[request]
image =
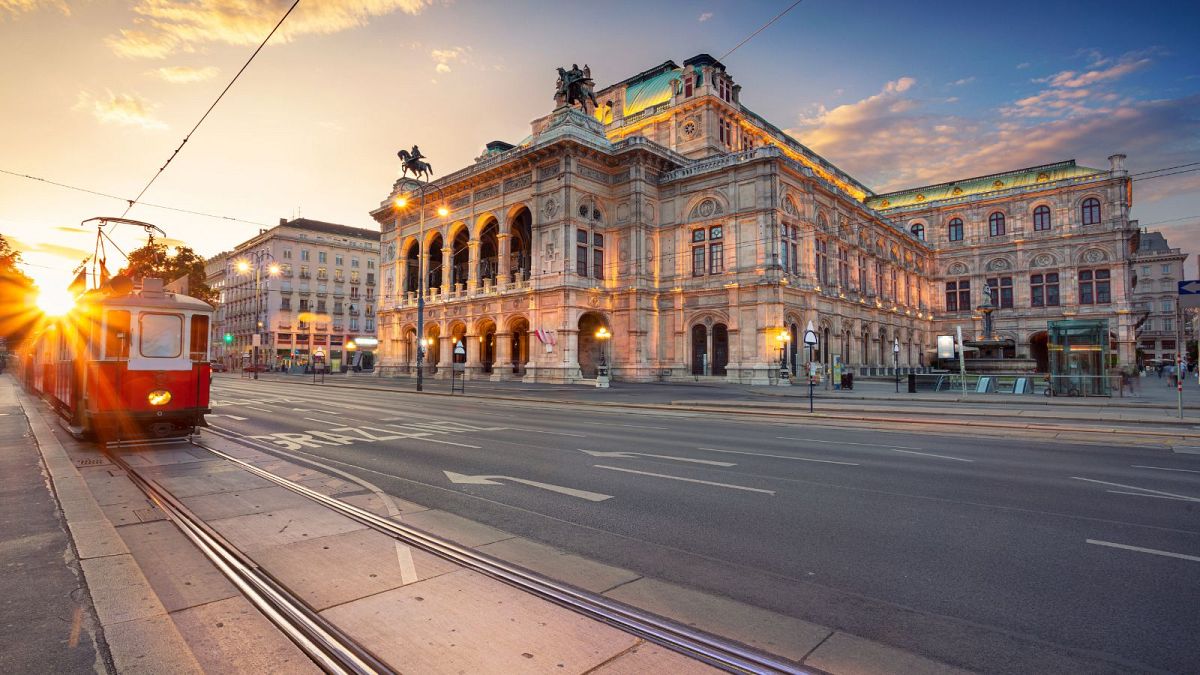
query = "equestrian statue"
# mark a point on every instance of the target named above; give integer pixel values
(412, 162)
(575, 86)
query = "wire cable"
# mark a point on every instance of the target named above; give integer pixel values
(158, 173)
(761, 29)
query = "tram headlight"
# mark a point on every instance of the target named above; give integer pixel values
(159, 397)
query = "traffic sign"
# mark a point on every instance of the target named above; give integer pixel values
(459, 350)
(810, 335)
(1189, 293)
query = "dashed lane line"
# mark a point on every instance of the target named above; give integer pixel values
(1145, 494)
(1139, 549)
(1134, 487)
(762, 454)
(686, 480)
(1161, 468)
(894, 448)
(549, 433)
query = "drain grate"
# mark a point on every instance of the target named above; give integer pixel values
(97, 461)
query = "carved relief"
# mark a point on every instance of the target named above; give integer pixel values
(789, 207)
(623, 212)
(998, 265)
(1095, 255)
(550, 208)
(518, 182)
(957, 268)
(1043, 260)
(706, 209)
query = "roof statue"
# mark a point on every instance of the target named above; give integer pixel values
(575, 86)
(413, 163)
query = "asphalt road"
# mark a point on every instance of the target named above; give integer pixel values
(1003, 555)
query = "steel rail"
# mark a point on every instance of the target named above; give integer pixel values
(715, 651)
(328, 647)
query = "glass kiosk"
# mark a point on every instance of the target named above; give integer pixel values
(1079, 357)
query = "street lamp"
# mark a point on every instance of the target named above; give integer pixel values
(257, 258)
(602, 336)
(896, 361)
(402, 202)
(783, 338)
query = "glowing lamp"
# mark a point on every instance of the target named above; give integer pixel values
(243, 266)
(443, 211)
(401, 202)
(159, 397)
(273, 269)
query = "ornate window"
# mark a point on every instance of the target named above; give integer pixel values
(789, 249)
(1001, 290)
(918, 231)
(716, 250)
(955, 230)
(958, 295)
(996, 224)
(879, 288)
(822, 261)
(843, 267)
(1043, 289)
(698, 260)
(1041, 218)
(581, 253)
(1095, 287)
(1091, 211)
(598, 255)
(862, 274)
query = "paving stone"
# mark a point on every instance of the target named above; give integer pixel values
(159, 456)
(559, 565)
(772, 632)
(373, 503)
(212, 483)
(845, 654)
(455, 528)
(331, 486)
(333, 570)
(177, 571)
(464, 622)
(152, 646)
(119, 590)
(125, 513)
(231, 636)
(651, 658)
(243, 502)
(259, 531)
(108, 489)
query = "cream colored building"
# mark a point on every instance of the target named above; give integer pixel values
(1158, 269)
(704, 240)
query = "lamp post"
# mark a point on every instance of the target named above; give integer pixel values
(602, 337)
(256, 259)
(896, 361)
(784, 337)
(810, 341)
(402, 202)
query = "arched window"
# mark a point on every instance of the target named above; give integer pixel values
(1091, 211)
(918, 231)
(996, 224)
(1041, 218)
(956, 230)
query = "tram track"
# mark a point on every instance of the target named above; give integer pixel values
(723, 654)
(328, 647)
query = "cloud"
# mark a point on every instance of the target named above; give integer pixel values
(164, 27)
(1072, 92)
(14, 7)
(892, 140)
(185, 74)
(963, 81)
(705, 17)
(444, 57)
(121, 109)
(1023, 65)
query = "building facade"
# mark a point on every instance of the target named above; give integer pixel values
(307, 287)
(673, 234)
(1158, 269)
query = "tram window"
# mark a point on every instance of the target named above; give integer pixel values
(116, 334)
(199, 348)
(161, 335)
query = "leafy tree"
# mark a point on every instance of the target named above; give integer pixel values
(154, 260)
(17, 295)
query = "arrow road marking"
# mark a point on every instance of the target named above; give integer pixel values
(463, 479)
(1139, 549)
(760, 454)
(687, 480)
(634, 455)
(1134, 487)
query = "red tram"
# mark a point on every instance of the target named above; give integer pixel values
(125, 362)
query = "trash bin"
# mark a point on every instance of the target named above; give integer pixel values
(912, 383)
(848, 381)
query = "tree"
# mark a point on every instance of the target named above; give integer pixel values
(154, 260)
(17, 295)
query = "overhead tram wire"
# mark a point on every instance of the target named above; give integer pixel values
(1166, 168)
(162, 168)
(760, 29)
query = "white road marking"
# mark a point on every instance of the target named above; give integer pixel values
(461, 479)
(687, 480)
(1143, 494)
(1139, 549)
(866, 445)
(1161, 468)
(551, 433)
(761, 454)
(633, 426)
(1134, 487)
(1186, 449)
(620, 454)
(336, 424)
(232, 417)
(434, 440)
(930, 454)
(250, 407)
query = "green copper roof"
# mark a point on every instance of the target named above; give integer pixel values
(650, 92)
(969, 187)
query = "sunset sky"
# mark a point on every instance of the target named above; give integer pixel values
(97, 94)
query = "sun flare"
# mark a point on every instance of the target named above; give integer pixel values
(55, 303)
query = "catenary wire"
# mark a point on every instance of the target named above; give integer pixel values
(203, 117)
(760, 29)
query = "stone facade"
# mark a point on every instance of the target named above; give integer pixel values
(1158, 269)
(704, 240)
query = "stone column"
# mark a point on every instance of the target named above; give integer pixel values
(447, 264)
(502, 368)
(445, 355)
(473, 265)
(504, 244)
(473, 365)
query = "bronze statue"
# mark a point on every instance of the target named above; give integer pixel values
(575, 86)
(412, 162)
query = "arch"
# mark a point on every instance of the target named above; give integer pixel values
(955, 230)
(996, 224)
(720, 349)
(460, 255)
(699, 348)
(485, 332)
(433, 261)
(520, 243)
(412, 266)
(514, 210)
(918, 230)
(481, 221)
(1043, 217)
(1089, 210)
(489, 250)
(518, 328)
(592, 351)
(432, 351)
(457, 333)
(1039, 350)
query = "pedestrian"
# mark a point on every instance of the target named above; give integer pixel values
(1159, 369)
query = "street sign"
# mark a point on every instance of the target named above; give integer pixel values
(459, 350)
(810, 335)
(945, 346)
(256, 340)
(1189, 293)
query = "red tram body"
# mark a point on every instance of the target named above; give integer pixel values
(125, 364)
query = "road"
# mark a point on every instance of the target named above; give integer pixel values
(1005, 555)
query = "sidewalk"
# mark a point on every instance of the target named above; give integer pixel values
(47, 620)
